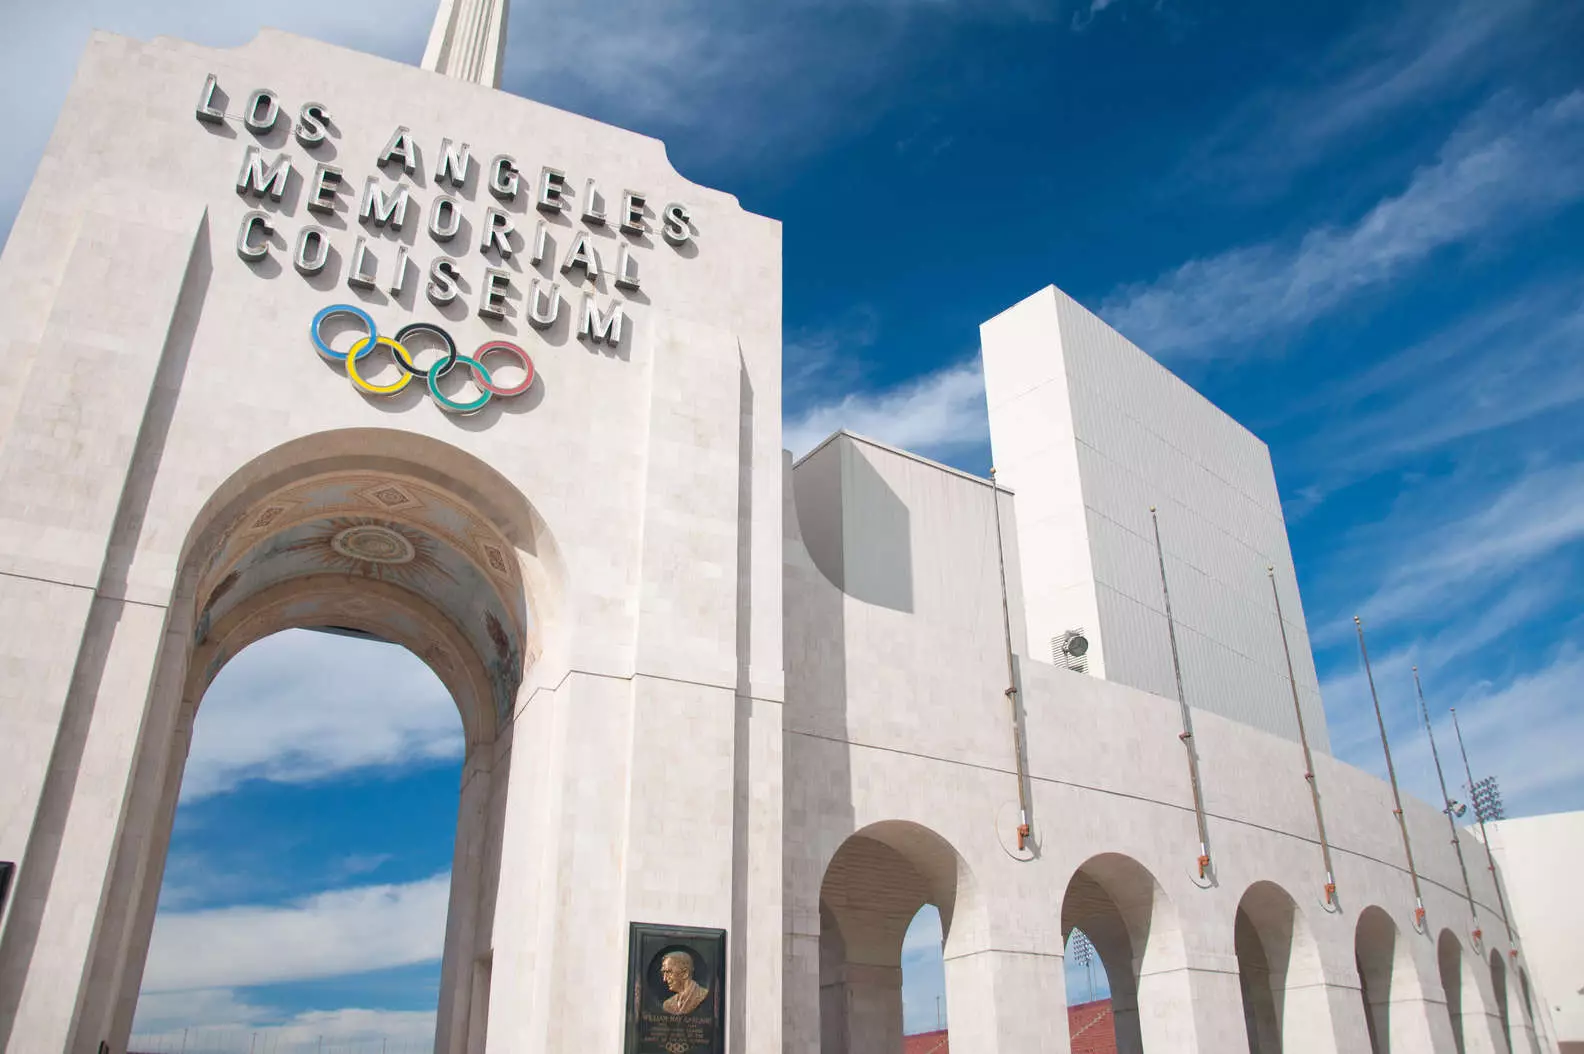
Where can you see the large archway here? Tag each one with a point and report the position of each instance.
(1476, 1027)
(1394, 1007)
(1498, 974)
(307, 876)
(873, 887)
(1449, 961)
(1117, 904)
(1279, 973)
(383, 533)
(1532, 1031)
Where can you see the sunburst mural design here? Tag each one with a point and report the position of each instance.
(389, 552)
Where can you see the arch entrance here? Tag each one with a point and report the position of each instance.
(875, 883)
(1279, 972)
(425, 548)
(1395, 1012)
(1474, 1029)
(1115, 902)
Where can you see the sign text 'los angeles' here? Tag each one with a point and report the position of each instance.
(383, 206)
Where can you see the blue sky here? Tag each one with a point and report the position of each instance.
(1355, 227)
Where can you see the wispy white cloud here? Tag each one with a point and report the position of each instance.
(1399, 57)
(1497, 536)
(341, 931)
(1496, 173)
(1525, 731)
(923, 933)
(42, 44)
(736, 82)
(1478, 597)
(934, 414)
(220, 1021)
(1087, 12)
(302, 706)
(821, 360)
(1445, 655)
(1504, 365)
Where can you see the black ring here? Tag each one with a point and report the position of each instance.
(443, 366)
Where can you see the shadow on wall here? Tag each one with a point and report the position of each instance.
(856, 528)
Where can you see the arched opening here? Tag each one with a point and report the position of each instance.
(873, 889)
(1116, 905)
(1532, 1031)
(310, 858)
(1449, 961)
(924, 977)
(1277, 961)
(1091, 1021)
(1498, 972)
(1386, 978)
(378, 533)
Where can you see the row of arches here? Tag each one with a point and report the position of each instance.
(880, 877)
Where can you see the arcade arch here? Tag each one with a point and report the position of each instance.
(388, 534)
(1531, 1029)
(1475, 1023)
(1116, 902)
(874, 885)
(1388, 984)
(1284, 1002)
(1498, 972)
(1449, 960)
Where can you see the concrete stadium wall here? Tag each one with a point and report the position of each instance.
(898, 734)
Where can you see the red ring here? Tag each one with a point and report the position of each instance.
(512, 349)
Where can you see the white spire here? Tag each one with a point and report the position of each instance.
(468, 41)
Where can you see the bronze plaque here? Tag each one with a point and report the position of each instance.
(676, 990)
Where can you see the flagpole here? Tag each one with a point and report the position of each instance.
(1303, 740)
(1391, 772)
(1446, 802)
(1186, 736)
(1479, 814)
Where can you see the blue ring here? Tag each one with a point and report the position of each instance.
(342, 309)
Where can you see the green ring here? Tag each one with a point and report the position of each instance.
(451, 406)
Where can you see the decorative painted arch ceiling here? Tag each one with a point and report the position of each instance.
(383, 528)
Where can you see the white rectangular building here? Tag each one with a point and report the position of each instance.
(1091, 432)
(1541, 858)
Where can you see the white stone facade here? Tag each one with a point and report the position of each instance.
(1091, 432)
(714, 690)
(1541, 860)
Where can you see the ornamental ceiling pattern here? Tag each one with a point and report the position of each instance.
(388, 529)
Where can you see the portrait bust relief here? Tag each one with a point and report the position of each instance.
(677, 980)
(676, 968)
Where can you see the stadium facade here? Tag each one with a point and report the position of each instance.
(298, 337)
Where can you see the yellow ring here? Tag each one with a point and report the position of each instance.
(379, 389)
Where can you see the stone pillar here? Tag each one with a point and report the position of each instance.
(1482, 1032)
(1195, 1009)
(871, 997)
(468, 41)
(1323, 1016)
(1125, 1012)
(74, 472)
(1412, 1024)
(1006, 1002)
(802, 1000)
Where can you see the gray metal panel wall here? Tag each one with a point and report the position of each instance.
(1147, 438)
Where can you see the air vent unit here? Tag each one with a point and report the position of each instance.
(1070, 650)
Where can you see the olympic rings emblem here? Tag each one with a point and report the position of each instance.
(365, 346)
